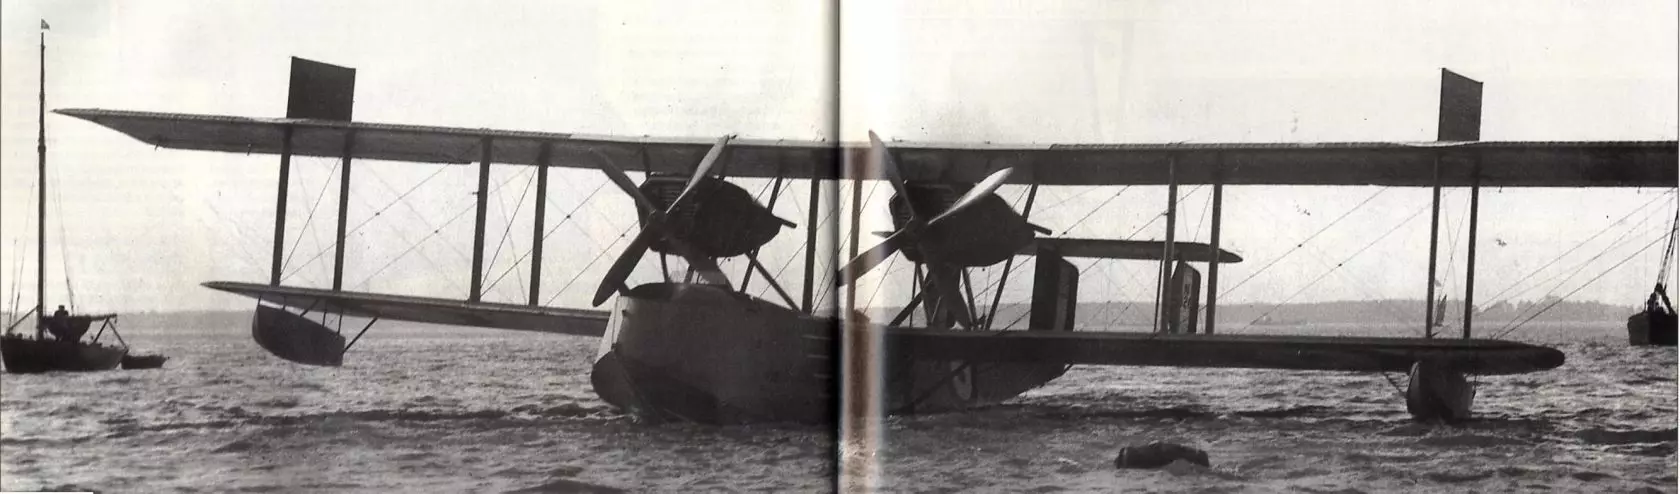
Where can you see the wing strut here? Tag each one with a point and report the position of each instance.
(544, 154)
(1165, 274)
(1434, 246)
(1470, 257)
(478, 224)
(280, 203)
(1213, 265)
(343, 210)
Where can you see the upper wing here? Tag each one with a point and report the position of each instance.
(1501, 164)
(426, 309)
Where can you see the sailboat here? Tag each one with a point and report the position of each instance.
(57, 343)
(1655, 325)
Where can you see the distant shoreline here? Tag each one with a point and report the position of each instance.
(1138, 313)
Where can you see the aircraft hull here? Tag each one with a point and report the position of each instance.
(704, 354)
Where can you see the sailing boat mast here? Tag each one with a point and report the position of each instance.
(41, 200)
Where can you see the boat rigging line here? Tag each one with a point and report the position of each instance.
(1668, 252)
(63, 241)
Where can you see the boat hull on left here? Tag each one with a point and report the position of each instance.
(25, 355)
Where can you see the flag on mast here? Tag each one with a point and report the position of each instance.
(44, 26)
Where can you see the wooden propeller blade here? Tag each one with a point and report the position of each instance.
(982, 189)
(889, 171)
(622, 180)
(701, 171)
(869, 259)
(613, 281)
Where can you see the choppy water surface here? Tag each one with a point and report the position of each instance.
(462, 410)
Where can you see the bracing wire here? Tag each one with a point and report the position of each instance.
(1578, 267)
(415, 245)
(358, 227)
(546, 234)
(1496, 296)
(1303, 242)
(412, 247)
(1555, 302)
(308, 218)
(502, 209)
(1338, 265)
(586, 266)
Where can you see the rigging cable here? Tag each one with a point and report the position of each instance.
(1303, 242)
(310, 217)
(15, 292)
(439, 229)
(1496, 296)
(1668, 252)
(501, 208)
(586, 266)
(1338, 266)
(63, 241)
(17, 276)
(1554, 303)
(358, 227)
(1583, 265)
(1613, 244)
(551, 231)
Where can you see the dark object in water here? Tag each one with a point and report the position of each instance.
(25, 355)
(143, 361)
(1158, 454)
(1655, 325)
(1436, 393)
(296, 338)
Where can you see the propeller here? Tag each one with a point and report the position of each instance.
(654, 228)
(911, 232)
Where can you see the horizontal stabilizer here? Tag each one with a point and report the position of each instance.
(425, 309)
(1127, 249)
(1320, 353)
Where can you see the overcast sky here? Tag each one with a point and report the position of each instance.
(141, 227)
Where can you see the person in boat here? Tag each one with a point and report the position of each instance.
(60, 318)
(1659, 302)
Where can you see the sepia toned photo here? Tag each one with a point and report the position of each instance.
(573, 246)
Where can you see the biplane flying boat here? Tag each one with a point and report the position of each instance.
(703, 349)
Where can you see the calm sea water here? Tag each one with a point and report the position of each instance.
(433, 409)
